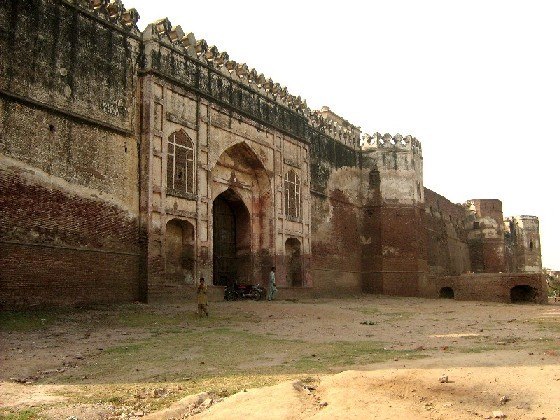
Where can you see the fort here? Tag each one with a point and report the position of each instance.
(132, 163)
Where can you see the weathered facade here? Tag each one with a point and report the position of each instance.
(133, 163)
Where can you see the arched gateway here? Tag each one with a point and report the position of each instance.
(232, 238)
(241, 217)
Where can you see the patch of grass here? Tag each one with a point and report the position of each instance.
(27, 321)
(145, 317)
(366, 310)
(335, 356)
(389, 316)
(477, 349)
(27, 414)
(155, 396)
(394, 317)
(116, 400)
(136, 319)
(205, 353)
(127, 349)
(548, 325)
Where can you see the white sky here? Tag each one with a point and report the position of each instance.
(477, 82)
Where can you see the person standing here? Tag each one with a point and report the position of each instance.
(271, 285)
(202, 297)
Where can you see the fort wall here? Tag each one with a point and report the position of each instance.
(133, 163)
(247, 143)
(394, 251)
(494, 287)
(68, 156)
(448, 252)
(336, 215)
(238, 105)
(522, 241)
(486, 236)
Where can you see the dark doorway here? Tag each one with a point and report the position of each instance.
(231, 236)
(293, 262)
(522, 293)
(446, 293)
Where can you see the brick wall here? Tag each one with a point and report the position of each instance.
(486, 238)
(39, 275)
(336, 245)
(69, 199)
(59, 248)
(447, 247)
(336, 216)
(494, 287)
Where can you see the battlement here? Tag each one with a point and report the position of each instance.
(335, 126)
(524, 221)
(173, 36)
(386, 141)
(524, 217)
(112, 11)
(218, 63)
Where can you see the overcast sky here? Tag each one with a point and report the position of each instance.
(477, 82)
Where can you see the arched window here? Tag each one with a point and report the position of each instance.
(180, 163)
(292, 200)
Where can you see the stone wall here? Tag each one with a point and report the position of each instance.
(68, 156)
(448, 251)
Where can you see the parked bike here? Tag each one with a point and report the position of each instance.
(244, 291)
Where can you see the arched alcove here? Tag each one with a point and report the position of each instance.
(446, 293)
(522, 293)
(293, 262)
(179, 251)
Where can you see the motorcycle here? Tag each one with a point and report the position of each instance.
(244, 291)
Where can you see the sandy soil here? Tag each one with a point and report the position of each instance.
(414, 392)
(499, 360)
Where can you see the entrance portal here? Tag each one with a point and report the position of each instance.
(231, 239)
(242, 216)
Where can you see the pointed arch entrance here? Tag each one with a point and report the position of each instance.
(232, 238)
(241, 217)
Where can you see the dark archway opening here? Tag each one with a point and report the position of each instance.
(293, 262)
(179, 251)
(446, 293)
(523, 293)
(232, 240)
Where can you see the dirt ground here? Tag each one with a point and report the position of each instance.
(367, 357)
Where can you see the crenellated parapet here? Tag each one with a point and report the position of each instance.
(389, 142)
(335, 126)
(178, 55)
(396, 162)
(209, 55)
(113, 11)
